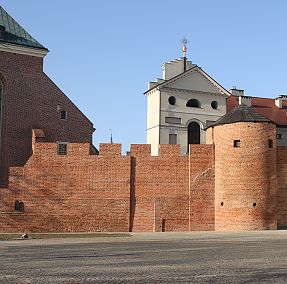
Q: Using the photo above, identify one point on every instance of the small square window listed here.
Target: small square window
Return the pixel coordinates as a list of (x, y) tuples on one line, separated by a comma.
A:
[(63, 114), (279, 136), (172, 139), (236, 143), (62, 149), (270, 142)]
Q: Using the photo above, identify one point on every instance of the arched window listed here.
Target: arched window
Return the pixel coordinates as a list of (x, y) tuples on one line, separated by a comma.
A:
[(193, 133), (193, 103)]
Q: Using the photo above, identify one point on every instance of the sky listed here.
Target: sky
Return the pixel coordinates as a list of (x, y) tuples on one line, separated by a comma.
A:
[(103, 53)]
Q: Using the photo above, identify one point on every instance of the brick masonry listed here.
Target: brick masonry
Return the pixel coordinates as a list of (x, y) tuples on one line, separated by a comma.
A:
[(282, 186), (31, 100), (105, 192), (245, 176), (213, 188)]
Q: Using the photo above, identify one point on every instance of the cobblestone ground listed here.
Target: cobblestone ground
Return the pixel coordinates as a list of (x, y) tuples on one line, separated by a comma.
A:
[(159, 258)]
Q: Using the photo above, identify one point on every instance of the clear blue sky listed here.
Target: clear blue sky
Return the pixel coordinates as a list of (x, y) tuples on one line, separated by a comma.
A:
[(103, 53)]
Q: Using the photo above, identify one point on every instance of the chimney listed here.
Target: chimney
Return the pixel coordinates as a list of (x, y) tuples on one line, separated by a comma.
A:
[(244, 100), (279, 100), (236, 92)]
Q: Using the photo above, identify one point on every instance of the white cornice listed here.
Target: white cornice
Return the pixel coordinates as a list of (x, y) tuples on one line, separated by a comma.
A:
[(20, 49), (191, 91)]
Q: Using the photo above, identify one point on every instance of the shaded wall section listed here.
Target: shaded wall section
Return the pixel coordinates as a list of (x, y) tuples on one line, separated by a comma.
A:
[(282, 186)]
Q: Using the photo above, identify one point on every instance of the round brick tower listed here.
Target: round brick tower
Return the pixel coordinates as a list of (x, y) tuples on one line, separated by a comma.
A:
[(245, 171)]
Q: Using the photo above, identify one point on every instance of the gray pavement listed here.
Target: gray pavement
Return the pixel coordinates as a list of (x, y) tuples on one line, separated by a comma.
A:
[(210, 257)]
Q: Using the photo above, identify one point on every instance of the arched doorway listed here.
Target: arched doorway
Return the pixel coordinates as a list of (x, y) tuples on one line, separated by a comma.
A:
[(193, 133)]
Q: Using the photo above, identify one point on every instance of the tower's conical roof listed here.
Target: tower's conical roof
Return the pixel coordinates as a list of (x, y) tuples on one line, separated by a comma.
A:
[(242, 113), (14, 33)]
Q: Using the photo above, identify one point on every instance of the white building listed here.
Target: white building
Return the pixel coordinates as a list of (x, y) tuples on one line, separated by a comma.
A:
[(182, 104)]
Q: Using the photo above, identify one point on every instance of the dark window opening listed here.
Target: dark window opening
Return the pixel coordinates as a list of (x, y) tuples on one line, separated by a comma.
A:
[(236, 143), (221, 203), (63, 114), (62, 149), (214, 105), (193, 103), (254, 204), (279, 136), (172, 100), (270, 143), (19, 206), (193, 133)]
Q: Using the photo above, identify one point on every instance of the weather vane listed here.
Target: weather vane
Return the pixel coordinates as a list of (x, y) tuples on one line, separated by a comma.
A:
[(184, 42)]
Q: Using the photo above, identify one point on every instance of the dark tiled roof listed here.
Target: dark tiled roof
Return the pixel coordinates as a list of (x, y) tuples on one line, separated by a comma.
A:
[(15, 34), (242, 113), (264, 106)]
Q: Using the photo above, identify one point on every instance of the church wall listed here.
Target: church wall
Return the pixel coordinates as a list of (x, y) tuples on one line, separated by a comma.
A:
[(31, 100), (153, 102), (188, 114)]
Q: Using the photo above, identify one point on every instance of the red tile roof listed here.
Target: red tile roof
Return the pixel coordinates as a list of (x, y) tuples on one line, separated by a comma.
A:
[(265, 107)]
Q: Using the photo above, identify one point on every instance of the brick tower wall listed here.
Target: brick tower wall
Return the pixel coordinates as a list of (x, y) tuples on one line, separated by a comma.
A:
[(31, 100), (245, 176), (282, 186)]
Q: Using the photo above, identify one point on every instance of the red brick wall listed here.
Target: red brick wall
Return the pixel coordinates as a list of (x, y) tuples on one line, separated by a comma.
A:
[(245, 175), (202, 191), (77, 192), (30, 100), (160, 189), (282, 186), (109, 192), (140, 192)]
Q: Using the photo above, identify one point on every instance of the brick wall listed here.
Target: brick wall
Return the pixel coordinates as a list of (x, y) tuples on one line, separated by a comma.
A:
[(140, 192), (202, 191), (31, 100), (77, 192), (109, 192), (282, 186), (245, 177), (160, 189)]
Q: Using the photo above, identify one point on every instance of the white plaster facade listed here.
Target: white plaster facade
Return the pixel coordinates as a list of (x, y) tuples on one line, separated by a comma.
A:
[(168, 123)]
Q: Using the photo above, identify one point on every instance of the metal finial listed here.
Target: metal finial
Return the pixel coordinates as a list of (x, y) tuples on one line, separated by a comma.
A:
[(111, 141), (184, 42)]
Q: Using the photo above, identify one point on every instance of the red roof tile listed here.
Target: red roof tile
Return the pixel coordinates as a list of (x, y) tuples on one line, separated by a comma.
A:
[(265, 107)]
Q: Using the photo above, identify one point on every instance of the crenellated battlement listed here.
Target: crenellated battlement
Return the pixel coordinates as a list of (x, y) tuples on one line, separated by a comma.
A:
[(140, 192)]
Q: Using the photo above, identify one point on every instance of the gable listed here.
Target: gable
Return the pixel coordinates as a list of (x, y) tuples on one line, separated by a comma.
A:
[(195, 81)]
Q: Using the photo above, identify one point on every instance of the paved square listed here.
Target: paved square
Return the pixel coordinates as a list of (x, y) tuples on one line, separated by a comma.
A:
[(253, 257)]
